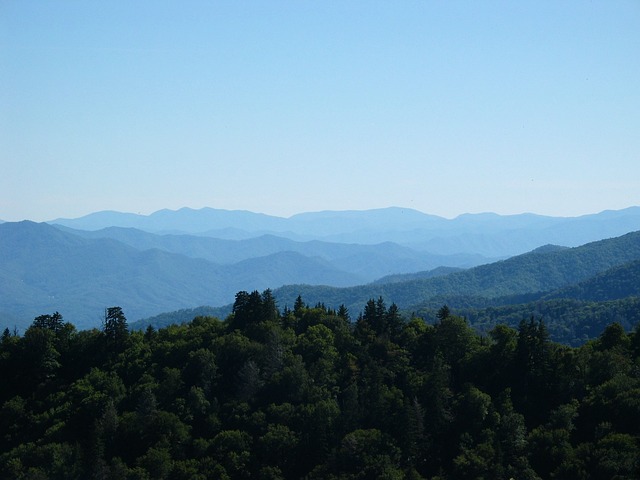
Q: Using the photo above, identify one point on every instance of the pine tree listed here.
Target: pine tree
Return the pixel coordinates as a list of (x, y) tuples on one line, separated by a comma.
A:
[(343, 312), (298, 307), (115, 328)]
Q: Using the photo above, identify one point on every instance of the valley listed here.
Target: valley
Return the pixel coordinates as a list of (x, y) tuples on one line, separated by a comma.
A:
[(171, 261)]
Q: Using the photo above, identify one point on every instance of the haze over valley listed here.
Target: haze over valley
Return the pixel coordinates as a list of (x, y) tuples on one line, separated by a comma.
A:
[(185, 259)]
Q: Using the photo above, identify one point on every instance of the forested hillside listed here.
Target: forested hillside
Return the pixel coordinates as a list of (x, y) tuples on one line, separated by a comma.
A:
[(363, 261), (45, 269), (309, 392), (534, 273), (504, 292), (569, 321), (573, 314), (618, 282)]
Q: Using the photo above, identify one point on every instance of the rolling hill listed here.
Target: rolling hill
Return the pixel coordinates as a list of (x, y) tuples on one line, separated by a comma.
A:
[(573, 314), (364, 262), (541, 270), (43, 269), (619, 282)]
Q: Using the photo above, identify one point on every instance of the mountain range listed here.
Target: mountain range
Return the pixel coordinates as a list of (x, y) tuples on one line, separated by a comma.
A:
[(577, 291), (360, 263), (44, 269), (538, 273), (172, 260), (486, 234)]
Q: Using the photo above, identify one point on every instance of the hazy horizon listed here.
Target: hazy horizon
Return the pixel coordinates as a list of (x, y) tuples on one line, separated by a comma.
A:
[(288, 107), (309, 212)]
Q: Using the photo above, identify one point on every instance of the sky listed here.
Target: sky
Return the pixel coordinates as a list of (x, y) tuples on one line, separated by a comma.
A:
[(284, 107)]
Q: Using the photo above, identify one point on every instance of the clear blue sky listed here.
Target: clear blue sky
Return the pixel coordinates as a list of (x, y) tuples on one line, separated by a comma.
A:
[(285, 107)]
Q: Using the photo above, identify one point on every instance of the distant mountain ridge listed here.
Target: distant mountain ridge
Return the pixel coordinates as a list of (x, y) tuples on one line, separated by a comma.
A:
[(367, 262), (489, 234), (556, 284), (533, 272), (43, 269)]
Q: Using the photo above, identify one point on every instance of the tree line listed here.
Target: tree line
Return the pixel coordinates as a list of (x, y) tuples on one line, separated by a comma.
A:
[(310, 392)]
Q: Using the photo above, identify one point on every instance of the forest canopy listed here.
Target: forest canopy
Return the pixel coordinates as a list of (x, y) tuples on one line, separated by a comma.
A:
[(310, 392)]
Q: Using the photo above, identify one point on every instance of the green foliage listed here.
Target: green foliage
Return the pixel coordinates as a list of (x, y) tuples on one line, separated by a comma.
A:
[(600, 271), (306, 394), (569, 321), (115, 329)]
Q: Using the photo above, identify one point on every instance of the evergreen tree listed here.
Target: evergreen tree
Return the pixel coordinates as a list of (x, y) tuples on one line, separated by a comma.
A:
[(6, 334), (343, 312), (115, 328), (51, 322), (298, 307), (269, 306)]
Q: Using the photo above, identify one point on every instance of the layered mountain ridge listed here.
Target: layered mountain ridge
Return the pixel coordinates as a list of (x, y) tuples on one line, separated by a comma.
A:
[(81, 266), (487, 234)]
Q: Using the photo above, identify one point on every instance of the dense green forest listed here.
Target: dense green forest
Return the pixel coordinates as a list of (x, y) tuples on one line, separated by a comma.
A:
[(568, 321), (310, 392)]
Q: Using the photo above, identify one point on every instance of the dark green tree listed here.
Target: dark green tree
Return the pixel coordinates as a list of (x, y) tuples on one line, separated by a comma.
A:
[(443, 313), (50, 322), (115, 328), (534, 366), (298, 307), (269, 307), (343, 312)]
